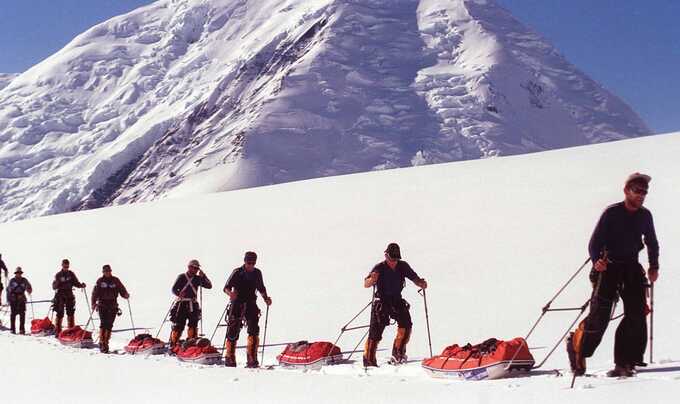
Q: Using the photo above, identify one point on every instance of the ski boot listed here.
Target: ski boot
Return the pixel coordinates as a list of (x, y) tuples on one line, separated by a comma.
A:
[(576, 359), (57, 326), (192, 332), (174, 341), (251, 352), (399, 348), (621, 371), (22, 323), (103, 341), (369, 353), (230, 353)]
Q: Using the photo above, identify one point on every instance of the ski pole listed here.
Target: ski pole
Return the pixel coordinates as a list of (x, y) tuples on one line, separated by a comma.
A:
[(427, 319), (200, 293), (32, 310), (651, 324), (368, 331), (131, 320), (264, 337), (172, 303), (357, 345), (89, 308), (88, 321), (219, 321)]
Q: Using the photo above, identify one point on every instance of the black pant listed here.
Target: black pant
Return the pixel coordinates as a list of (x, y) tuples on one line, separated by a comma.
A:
[(107, 314), (240, 311), (628, 281), (18, 308), (64, 300), (385, 308), (184, 311)]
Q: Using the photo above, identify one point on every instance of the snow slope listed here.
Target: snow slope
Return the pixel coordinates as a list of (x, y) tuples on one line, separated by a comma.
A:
[(6, 78), (191, 96), (494, 238)]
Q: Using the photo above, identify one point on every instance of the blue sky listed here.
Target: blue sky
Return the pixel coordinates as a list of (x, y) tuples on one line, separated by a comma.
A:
[(632, 47)]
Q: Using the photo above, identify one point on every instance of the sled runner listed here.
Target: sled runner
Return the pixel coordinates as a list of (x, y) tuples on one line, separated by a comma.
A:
[(145, 344), (306, 355), (76, 337), (492, 359), (197, 350), (41, 327)]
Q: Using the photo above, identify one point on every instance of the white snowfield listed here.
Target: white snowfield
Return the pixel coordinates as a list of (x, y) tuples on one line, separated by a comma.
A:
[(184, 97), (495, 239)]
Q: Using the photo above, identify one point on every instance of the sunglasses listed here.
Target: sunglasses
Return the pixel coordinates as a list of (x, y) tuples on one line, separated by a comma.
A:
[(250, 262), (639, 191)]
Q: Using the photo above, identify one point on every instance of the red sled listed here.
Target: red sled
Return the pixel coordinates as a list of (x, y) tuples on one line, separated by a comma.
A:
[(197, 350), (306, 355), (41, 327), (76, 337), (492, 359), (145, 344)]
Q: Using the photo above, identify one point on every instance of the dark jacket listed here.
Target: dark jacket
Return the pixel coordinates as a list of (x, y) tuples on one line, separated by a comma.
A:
[(106, 290), (621, 233), (3, 267), (17, 288), (65, 282), (186, 286), (246, 283), (391, 281)]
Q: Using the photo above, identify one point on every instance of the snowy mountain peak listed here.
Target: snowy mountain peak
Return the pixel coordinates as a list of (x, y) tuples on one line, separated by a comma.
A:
[(189, 96)]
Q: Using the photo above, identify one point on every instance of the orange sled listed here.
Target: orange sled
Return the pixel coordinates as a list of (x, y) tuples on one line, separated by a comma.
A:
[(76, 337), (197, 350), (42, 327), (145, 344), (306, 355), (492, 359)]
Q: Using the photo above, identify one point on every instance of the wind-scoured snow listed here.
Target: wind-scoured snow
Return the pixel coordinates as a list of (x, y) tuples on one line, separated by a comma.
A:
[(190, 96), (495, 239)]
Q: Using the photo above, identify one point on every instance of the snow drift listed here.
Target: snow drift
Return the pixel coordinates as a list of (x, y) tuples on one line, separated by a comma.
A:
[(189, 96)]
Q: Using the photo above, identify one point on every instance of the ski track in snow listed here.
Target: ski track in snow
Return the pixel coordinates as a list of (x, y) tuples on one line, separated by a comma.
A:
[(183, 97), (494, 238)]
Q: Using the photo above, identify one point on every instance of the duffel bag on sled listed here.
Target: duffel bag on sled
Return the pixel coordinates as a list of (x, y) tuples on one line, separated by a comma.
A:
[(76, 337), (145, 344), (492, 359), (311, 355), (197, 350), (41, 327)]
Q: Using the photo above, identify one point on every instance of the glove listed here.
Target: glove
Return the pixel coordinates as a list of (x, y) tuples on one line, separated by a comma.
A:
[(94, 306), (82, 285), (371, 279), (600, 265), (233, 294), (268, 300), (653, 273), (422, 283)]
